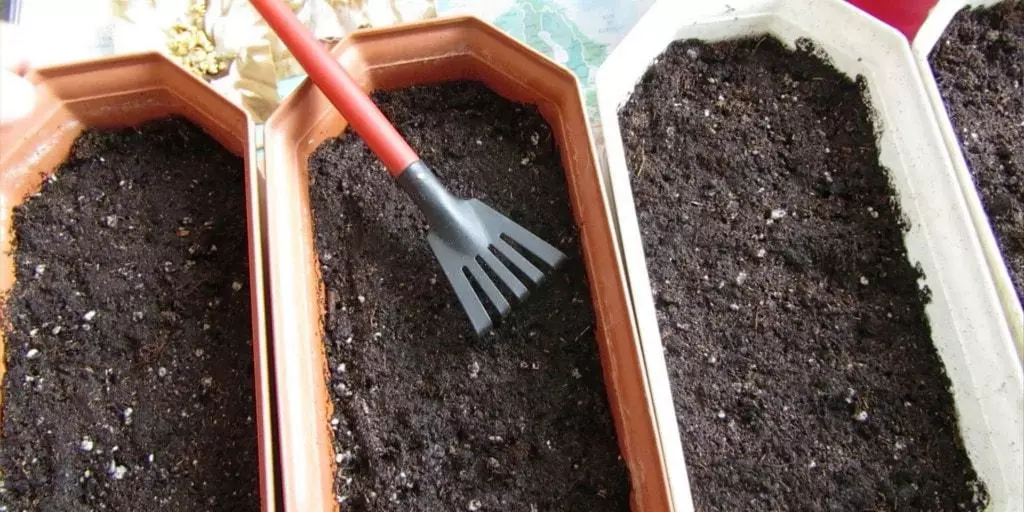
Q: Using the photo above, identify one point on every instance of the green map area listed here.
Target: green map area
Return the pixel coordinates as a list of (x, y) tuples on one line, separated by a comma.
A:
[(547, 28)]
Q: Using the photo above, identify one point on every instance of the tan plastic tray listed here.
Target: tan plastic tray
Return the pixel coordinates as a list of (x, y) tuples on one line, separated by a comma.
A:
[(428, 52), (124, 91)]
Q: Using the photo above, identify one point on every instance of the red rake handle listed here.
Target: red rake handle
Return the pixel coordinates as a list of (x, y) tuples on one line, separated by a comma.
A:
[(360, 111)]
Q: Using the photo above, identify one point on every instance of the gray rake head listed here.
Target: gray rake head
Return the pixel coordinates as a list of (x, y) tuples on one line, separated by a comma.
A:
[(478, 248), (464, 268)]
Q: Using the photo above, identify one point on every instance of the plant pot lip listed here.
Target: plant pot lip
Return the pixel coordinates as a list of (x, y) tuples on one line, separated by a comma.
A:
[(668, 21), (931, 33), (38, 144), (40, 75), (469, 20), (106, 60), (305, 119)]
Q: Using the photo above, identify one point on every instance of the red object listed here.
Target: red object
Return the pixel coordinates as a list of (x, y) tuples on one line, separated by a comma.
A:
[(357, 108), (907, 16)]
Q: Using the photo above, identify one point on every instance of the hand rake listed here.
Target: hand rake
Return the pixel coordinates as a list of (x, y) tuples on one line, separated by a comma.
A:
[(468, 237)]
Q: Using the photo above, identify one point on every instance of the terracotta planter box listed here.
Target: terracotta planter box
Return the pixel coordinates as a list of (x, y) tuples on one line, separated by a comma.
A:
[(973, 346), (123, 92), (393, 58), (934, 29)]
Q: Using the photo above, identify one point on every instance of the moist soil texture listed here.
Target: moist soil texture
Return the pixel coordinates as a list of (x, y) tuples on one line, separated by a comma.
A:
[(979, 67), (129, 366), (428, 416), (799, 352)]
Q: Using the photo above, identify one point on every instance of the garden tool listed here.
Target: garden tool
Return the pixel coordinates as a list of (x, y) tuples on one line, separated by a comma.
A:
[(468, 237)]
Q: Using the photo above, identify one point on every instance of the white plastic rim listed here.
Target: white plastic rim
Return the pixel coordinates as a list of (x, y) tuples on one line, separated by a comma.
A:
[(932, 30), (969, 329)]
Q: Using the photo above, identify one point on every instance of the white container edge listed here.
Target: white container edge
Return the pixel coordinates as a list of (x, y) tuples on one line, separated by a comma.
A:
[(928, 36), (968, 327)]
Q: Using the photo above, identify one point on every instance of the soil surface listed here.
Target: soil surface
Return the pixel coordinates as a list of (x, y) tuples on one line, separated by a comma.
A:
[(428, 417), (129, 380), (802, 368), (979, 66)]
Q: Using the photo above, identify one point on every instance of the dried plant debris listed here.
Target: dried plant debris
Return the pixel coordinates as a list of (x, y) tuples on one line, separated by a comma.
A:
[(190, 45)]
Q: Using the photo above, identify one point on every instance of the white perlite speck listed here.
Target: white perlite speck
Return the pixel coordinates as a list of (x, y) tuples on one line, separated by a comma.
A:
[(89, 316), (474, 370), (236, 286), (116, 471), (32, 353), (128, 411), (741, 278), (761, 253), (474, 505), (721, 415), (207, 381), (864, 280), (778, 213), (86, 445), (162, 372), (861, 416), (361, 299)]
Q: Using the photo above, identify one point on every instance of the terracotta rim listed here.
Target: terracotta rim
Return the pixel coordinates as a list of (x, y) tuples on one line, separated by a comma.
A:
[(437, 50), (126, 90)]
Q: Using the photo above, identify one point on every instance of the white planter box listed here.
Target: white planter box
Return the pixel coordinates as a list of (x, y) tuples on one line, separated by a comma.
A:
[(968, 325), (931, 31)]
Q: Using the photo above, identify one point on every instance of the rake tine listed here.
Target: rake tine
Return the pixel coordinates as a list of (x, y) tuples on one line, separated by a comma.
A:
[(490, 289), (543, 250), (531, 271), (529, 241), (507, 277), (460, 283)]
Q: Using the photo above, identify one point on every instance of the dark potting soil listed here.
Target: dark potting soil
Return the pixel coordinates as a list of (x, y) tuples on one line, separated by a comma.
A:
[(428, 416), (979, 67), (129, 366), (799, 352)]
